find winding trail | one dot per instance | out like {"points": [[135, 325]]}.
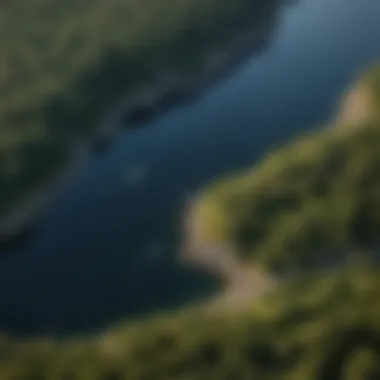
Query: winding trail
{"points": [[243, 283]]}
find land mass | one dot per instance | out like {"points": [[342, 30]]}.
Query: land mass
{"points": [[224, 226]]}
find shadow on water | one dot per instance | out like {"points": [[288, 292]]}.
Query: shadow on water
{"points": [[11, 243], [186, 91]]}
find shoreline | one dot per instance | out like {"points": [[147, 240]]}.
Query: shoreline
{"points": [[164, 95], [354, 106], [247, 283], [28, 211], [242, 283]]}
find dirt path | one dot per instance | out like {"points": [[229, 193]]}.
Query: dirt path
{"points": [[243, 283], [248, 285], [355, 107]]}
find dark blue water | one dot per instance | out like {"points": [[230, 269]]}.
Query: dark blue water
{"points": [[107, 248]]}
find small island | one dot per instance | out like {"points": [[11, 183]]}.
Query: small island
{"points": [[309, 215]]}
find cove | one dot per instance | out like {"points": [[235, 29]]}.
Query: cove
{"points": [[106, 249]]}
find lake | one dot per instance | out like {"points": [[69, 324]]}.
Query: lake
{"points": [[106, 248]]}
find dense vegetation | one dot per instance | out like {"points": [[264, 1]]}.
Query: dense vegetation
{"points": [[321, 329], [319, 194], [304, 203], [64, 64]]}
